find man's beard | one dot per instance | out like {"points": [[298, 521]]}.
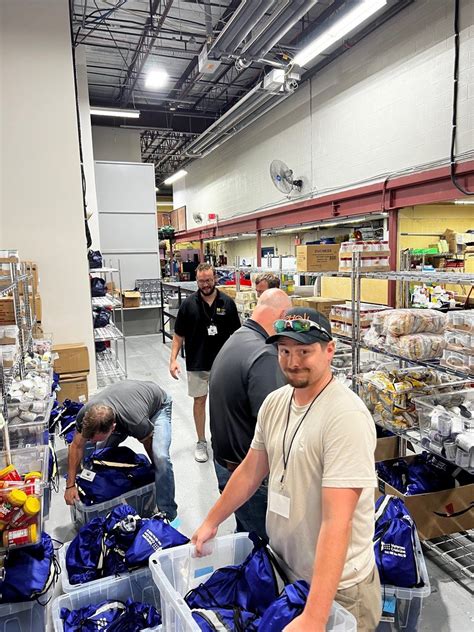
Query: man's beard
{"points": [[298, 379], [207, 291]]}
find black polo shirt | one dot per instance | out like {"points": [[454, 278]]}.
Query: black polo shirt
{"points": [[195, 317], [245, 371]]}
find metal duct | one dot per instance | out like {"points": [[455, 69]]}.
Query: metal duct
{"points": [[239, 26], [266, 39]]}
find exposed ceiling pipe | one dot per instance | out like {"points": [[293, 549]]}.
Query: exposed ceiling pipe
{"points": [[264, 41], [239, 26]]}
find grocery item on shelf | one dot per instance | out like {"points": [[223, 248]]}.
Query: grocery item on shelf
{"points": [[417, 346], [9, 335], [461, 320], [460, 361], [9, 354], [447, 425], [461, 341], [374, 255], [20, 506], [389, 393], [401, 322]]}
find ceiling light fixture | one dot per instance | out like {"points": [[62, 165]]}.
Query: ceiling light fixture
{"points": [[97, 111], [338, 30], [176, 176], [156, 79], [464, 202]]}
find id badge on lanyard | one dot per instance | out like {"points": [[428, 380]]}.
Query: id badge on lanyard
{"points": [[212, 330]]}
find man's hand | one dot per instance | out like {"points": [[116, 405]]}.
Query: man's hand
{"points": [[304, 623], [205, 533], [174, 369], [71, 495]]}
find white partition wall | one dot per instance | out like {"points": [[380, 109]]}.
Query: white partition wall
{"points": [[126, 202]]}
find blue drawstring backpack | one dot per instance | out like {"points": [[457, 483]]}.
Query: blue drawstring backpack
{"points": [[111, 616], [154, 535], [395, 473], [65, 415], [427, 473], [286, 608], [395, 544], [229, 619], [29, 572], [111, 472], [251, 586], [117, 543]]}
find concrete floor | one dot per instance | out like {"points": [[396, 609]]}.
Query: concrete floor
{"points": [[449, 608]]}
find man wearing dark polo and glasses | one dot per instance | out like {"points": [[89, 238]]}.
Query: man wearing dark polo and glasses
{"points": [[204, 322]]}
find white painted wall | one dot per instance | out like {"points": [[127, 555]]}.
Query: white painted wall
{"points": [[41, 198], [114, 143], [382, 107], [87, 150]]}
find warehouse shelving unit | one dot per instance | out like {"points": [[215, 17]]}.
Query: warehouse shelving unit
{"points": [[108, 366], [168, 314], [456, 550]]}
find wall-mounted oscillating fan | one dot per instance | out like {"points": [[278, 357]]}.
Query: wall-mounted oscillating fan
{"points": [[197, 217], [282, 178]]}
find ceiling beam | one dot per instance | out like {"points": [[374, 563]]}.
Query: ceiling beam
{"points": [[143, 50]]}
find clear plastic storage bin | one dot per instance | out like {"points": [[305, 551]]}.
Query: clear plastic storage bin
{"points": [[139, 587], [409, 604], [176, 571], [25, 616], [67, 586], [143, 500]]}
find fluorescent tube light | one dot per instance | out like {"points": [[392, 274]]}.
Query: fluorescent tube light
{"points": [[156, 79], [96, 111], [176, 176], [338, 30], [464, 202]]}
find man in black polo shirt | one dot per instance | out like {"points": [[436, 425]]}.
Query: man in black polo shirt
{"points": [[245, 371], [204, 322]]}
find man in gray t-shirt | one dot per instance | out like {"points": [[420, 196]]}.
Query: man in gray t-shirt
{"points": [[131, 408]]}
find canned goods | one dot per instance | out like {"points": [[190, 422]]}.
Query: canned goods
{"points": [[19, 537], [26, 513], [32, 480], [16, 498], [9, 473]]}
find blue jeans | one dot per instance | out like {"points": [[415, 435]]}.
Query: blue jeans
{"points": [[252, 515], [164, 475]]}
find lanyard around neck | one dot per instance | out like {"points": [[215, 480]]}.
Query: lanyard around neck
{"points": [[286, 456]]}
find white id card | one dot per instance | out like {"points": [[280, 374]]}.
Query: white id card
{"points": [[212, 330], [87, 474], [279, 504]]}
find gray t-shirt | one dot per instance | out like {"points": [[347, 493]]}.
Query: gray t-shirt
{"points": [[134, 403]]}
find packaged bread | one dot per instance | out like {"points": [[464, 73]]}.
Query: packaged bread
{"points": [[402, 322], [423, 346]]}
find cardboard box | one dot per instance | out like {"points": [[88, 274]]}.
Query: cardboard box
{"points": [[73, 387], [318, 303], [317, 258], [437, 513], [7, 311], [72, 358], [131, 298], [387, 448], [457, 241]]}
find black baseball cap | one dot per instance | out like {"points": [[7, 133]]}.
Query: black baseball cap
{"points": [[320, 334]]}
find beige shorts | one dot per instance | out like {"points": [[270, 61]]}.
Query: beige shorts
{"points": [[363, 601], [198, 383]]}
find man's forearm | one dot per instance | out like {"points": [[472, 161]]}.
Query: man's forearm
{"points": [[74, 460], [176, 345], [331, 552]]}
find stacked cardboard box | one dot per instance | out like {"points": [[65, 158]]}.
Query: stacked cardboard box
{"points": [[318, 303], [317, 258], [131, 298], [72, 364]]}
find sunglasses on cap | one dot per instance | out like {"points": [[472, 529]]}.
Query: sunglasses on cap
{"points": [[299, 325]]}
